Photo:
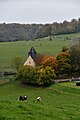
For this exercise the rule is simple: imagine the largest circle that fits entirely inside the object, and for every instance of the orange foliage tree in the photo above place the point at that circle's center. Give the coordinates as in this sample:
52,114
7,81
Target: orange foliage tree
49,61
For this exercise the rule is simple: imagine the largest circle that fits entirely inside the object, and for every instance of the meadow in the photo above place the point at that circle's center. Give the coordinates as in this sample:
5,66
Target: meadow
59,102
9,50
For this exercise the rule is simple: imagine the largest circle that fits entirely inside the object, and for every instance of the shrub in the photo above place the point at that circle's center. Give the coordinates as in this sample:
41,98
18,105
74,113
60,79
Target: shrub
46,76
17,63
65,48
27,74
37,76
77,83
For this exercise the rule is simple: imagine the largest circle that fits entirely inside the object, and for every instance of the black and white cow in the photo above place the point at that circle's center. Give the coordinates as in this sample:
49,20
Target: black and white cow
39,99
22,98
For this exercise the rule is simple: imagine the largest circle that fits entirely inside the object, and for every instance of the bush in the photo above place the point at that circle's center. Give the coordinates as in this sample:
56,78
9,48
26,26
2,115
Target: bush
37,76
65,48
27,74
17,62
46,76
78,84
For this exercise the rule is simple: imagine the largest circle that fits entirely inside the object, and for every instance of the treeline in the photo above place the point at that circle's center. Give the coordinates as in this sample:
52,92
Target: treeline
15,31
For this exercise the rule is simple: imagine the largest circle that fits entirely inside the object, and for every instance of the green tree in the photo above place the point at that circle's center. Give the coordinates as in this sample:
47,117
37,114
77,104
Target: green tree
75,57
17,62
47,30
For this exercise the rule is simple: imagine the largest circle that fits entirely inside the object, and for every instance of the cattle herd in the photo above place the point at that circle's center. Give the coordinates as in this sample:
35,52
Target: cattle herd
22,98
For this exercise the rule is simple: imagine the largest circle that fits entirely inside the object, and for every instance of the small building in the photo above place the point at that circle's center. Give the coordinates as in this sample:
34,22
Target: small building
31,57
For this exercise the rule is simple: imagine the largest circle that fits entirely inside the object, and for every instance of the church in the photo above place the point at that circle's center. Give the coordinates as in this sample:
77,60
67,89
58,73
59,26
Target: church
31,57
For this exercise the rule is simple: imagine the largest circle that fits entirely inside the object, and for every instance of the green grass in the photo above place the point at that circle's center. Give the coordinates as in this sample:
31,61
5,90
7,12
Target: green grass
59,102
9,50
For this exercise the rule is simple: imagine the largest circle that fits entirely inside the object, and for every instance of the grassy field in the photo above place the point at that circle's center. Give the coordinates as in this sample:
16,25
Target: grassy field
59,102
9,50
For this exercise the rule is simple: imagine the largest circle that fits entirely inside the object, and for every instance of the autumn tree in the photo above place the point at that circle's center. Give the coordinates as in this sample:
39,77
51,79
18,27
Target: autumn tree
49,61
63,61
45,76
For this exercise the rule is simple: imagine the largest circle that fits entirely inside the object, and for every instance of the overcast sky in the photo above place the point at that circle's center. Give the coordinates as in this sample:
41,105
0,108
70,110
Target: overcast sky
38,11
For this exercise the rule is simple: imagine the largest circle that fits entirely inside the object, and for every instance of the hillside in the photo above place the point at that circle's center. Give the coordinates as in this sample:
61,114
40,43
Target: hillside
9,50
17,32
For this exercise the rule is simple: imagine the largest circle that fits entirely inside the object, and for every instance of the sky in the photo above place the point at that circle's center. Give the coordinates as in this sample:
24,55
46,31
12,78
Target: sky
38,11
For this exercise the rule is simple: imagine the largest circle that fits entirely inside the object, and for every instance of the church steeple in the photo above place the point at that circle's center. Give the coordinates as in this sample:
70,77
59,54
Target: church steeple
32,52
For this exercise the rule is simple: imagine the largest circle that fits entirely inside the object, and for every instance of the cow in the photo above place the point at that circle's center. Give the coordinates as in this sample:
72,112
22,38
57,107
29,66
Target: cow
39,99
22,98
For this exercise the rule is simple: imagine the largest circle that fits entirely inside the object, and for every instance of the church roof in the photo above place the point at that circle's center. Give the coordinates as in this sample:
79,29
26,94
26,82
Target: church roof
32,52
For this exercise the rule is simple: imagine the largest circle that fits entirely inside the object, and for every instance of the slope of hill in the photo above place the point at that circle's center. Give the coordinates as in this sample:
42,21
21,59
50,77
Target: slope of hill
9,50
15,31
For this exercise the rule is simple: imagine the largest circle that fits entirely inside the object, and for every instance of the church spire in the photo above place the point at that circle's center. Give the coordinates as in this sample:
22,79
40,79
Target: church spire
32,52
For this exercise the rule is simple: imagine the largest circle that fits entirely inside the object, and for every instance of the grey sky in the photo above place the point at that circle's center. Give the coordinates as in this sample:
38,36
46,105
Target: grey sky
38,11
